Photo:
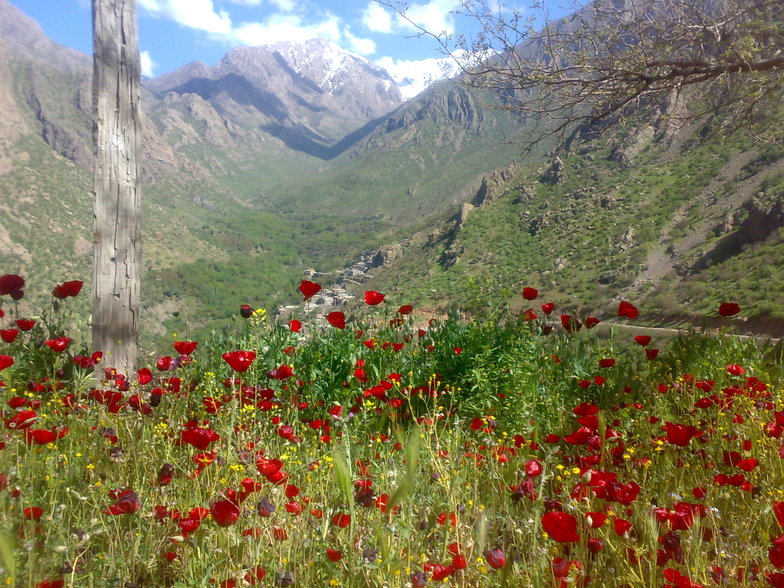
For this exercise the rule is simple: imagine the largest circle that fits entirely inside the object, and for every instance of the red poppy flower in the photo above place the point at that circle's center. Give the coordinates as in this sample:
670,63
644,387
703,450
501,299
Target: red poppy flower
295,326
198,437
8,335
570,324
530,293
595,519
334,555
126,502
239,361
561,526
405,309
87,362
642,340
735,369
372,298
607,362
255,575
628,310
24,324
185,347
529,315
225,512
495,558
164,363
651,353
6,361
281,373
337,319
165,474
776,553
246,311
67,289
728,309
591,322
51,584
621,526
747,464
548,307
595,545
39,436
24,419
33,513
144,376
58,344
680,435
533,468
308,288
678,580
11,283
341,520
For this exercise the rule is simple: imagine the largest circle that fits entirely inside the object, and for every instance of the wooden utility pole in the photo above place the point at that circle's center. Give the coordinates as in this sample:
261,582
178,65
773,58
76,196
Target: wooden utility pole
117,144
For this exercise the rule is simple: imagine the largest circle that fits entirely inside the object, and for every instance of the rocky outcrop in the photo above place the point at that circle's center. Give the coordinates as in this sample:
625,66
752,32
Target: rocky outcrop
462,216
763,218
495,183
555,173
444,102
754,222
626,150
71,144
386,255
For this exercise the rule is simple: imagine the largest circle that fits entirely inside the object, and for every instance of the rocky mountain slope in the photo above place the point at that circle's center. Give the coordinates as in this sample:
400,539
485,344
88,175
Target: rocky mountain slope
677,224
311,96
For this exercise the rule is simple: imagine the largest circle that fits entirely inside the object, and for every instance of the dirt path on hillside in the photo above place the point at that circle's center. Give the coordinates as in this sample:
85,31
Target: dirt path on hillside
660,262
672,331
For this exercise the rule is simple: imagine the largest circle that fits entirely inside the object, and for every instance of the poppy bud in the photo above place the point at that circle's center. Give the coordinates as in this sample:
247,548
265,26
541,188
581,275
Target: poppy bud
495,558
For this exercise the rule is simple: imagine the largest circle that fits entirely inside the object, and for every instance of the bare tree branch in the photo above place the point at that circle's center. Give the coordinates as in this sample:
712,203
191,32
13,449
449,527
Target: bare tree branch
612,54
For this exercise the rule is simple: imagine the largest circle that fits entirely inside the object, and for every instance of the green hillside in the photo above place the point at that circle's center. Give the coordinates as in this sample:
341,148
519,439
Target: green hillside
671,228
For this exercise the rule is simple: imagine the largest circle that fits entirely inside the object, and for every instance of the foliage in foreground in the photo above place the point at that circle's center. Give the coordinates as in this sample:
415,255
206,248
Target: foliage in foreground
386,450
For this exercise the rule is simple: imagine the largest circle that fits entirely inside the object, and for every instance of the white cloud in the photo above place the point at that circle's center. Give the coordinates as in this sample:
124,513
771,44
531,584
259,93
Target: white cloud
148,65
277,26
287,27
435,16
359,45
285,5
377,19
194,14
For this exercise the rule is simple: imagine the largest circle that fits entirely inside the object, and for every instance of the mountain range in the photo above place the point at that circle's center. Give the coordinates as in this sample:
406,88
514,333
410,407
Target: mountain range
296,156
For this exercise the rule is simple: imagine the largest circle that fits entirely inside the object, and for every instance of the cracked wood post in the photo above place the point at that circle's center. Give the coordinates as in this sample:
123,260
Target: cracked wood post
117,144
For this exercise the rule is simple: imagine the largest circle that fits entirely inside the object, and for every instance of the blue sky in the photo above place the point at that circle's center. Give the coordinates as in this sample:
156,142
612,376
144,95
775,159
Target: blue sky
175,32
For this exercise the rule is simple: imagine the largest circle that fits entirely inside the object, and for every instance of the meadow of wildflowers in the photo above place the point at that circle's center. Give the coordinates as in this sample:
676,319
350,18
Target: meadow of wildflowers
387,450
